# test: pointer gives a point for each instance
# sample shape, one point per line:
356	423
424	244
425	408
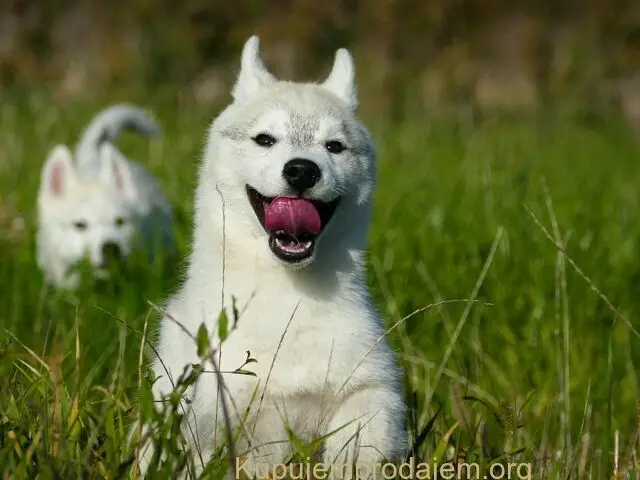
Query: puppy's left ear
253	75
58	174
341	80
116	171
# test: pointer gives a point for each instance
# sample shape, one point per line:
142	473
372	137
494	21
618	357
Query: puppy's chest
308	348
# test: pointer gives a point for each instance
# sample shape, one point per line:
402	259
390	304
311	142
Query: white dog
95	207
282	210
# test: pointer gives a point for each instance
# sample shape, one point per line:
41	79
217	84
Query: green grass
536	359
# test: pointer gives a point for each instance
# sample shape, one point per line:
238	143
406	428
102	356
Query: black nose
110	253
301	174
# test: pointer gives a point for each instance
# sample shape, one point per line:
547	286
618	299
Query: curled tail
107	126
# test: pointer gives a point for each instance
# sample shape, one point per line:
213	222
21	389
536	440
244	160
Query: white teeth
293	247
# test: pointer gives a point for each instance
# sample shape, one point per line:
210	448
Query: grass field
522	240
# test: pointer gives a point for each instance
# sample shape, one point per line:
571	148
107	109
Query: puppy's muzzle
111	254
301	174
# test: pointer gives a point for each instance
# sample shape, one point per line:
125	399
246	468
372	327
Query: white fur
107	126
332	335
100	198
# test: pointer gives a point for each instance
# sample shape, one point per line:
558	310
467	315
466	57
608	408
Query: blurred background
443	57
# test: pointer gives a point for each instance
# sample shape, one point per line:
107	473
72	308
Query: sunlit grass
541	366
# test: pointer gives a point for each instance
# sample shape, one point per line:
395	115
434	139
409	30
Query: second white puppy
98	206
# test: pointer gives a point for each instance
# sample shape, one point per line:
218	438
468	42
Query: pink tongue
292	215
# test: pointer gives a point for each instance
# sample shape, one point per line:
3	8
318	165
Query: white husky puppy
95	207
282	210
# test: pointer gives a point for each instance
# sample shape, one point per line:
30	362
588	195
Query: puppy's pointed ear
253	74
58	174
341	80
115	170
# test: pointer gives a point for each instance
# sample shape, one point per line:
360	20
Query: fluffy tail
107	126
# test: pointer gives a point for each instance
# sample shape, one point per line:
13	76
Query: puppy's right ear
341	80
58	173
253	74
116	171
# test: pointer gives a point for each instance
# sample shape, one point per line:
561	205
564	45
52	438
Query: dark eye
264	140
334	146
80	225
119	221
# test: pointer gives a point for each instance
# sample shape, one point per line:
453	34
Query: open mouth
293	223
